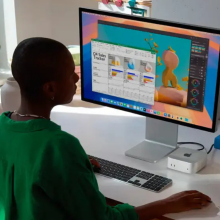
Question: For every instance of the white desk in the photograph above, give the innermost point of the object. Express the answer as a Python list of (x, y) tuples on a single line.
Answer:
[(108, 133)]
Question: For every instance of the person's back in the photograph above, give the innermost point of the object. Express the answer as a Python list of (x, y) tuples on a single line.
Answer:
[(44, 172), (32, 147), (52, 176), (7, 202)]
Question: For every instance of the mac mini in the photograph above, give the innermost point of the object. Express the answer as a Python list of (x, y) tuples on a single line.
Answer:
[(187, 160)]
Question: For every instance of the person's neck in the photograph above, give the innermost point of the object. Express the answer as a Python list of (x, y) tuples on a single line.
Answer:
[(35, 108)]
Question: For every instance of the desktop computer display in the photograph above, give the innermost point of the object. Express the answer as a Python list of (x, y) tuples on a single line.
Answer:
[(158, 69)]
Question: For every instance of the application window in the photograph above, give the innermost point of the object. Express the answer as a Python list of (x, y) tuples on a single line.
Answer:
[(123, 71)]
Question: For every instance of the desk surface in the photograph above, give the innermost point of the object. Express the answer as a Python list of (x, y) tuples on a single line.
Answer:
[(107, 134)]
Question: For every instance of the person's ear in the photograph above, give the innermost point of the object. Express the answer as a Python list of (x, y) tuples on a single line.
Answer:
[(50, 89)]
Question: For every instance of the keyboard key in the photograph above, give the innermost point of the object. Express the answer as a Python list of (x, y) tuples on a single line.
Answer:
[(135, 183), (158, 189), (144, 175)]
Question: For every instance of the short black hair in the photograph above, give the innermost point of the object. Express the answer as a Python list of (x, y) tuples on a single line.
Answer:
[(37, 61)]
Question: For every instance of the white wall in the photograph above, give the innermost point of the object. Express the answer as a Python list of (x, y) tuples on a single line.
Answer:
[(3, 52), (57, 19), (10, 27), (199, 12)]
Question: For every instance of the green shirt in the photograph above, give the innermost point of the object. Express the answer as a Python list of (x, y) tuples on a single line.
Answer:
[(46, 175)]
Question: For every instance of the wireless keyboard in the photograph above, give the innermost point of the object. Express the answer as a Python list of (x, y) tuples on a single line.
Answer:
[(132, 176)]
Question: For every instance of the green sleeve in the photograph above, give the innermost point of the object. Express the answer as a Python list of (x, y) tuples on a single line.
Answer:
[(67, 178)]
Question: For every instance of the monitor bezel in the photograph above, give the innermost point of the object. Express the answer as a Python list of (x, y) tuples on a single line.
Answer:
[(160, 22)]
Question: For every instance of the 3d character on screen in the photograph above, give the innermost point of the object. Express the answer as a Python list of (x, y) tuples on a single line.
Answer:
[(171, 61)]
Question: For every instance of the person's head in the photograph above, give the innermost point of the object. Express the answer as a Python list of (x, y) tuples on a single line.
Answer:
[(45, 71)]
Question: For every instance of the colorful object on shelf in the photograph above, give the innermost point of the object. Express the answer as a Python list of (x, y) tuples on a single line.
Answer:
[(135, 10), (105, 1), (132, 3), (118, 3)]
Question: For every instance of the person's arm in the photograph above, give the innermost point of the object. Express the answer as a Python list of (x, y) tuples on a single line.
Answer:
[(112, 202), (149, 209), (181, 202)]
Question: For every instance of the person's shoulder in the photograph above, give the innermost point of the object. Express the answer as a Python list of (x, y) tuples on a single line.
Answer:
[(64, 137), (63, 141), (60, 150)]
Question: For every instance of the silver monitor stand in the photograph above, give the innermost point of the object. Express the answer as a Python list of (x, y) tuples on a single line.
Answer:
[(160, 141)]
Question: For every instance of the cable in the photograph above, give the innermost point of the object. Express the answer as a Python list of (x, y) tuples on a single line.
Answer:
[(210, 149), (195, 143)]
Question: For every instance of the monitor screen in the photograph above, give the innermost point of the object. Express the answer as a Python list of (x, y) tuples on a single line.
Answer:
[(154, 68)]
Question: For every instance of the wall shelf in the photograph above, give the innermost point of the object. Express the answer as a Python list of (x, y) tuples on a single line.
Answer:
[(145, 3)]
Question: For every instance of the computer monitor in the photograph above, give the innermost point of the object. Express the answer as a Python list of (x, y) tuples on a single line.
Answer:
[(168, 72)]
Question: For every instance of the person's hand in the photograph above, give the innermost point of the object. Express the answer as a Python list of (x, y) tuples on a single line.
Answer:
[(186, 201), (181, 202)]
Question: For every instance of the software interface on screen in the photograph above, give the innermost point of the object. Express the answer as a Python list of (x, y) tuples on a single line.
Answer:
[(161, 70)]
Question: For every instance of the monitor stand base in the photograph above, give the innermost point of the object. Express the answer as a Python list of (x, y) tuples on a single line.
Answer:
[(160, 141)]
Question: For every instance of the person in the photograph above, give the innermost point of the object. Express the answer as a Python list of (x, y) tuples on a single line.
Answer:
[(46, 172)]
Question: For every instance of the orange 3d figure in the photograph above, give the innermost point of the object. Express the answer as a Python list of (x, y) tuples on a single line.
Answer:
[(171, 61)]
